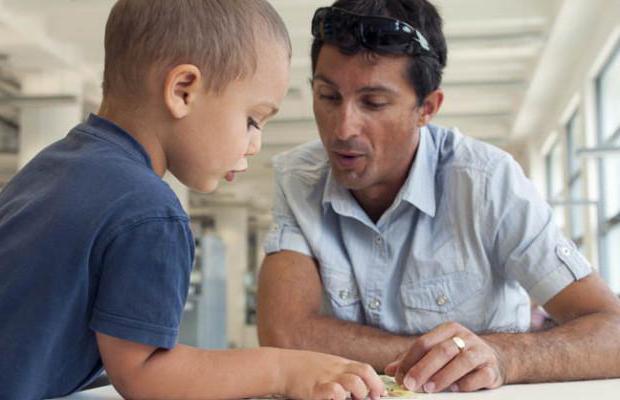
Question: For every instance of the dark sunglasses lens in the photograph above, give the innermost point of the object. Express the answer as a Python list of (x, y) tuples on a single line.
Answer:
[(336, 28), (380, 37)]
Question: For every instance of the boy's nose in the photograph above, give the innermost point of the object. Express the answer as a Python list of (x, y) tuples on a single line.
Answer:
[(255, 144)]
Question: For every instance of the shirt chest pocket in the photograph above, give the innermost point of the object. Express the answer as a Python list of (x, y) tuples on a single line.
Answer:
[(455, 297), (343, 294)]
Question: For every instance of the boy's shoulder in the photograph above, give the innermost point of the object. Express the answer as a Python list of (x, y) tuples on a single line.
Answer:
[(92, 176), (118, 169)]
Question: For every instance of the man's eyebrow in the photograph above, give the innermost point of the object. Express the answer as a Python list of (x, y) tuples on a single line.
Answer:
[(365, 89), (323, 78), (376, 89)]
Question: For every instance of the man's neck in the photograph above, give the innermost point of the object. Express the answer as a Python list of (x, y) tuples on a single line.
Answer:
[(377, 201)]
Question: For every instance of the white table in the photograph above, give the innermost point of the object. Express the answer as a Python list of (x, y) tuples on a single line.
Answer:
[(586, 390)]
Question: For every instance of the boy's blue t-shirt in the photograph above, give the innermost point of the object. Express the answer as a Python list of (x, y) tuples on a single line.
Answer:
[(91, 240)]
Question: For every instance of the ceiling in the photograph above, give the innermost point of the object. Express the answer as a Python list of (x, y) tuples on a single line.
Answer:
[(496, 50)]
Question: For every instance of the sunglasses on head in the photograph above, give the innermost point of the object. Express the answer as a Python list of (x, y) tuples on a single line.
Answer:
[(379, 34)]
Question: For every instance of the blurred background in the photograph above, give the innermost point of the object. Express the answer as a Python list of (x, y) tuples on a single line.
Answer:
[(538, 78)]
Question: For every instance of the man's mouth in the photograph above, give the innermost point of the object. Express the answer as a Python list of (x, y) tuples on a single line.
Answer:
[(348, 160)]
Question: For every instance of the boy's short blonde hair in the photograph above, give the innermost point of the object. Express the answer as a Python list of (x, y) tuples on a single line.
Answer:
[(218, 36)]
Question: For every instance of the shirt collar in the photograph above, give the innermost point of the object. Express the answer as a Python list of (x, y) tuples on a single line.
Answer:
[(107, 130), (418, 190), (338, 196)]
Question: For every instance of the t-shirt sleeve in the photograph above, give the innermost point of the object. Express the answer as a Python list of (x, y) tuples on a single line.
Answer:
[(144, 282), (285, 233), (526, 243)]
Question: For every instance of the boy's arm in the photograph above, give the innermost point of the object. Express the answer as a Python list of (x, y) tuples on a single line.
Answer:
[(138, 371), (289, 302)]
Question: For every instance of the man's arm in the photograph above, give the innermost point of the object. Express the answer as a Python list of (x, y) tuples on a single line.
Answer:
[(584, 346), (289, 303), (145, 372)]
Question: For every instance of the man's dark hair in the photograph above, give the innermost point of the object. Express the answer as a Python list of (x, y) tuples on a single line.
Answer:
[(424, 71)]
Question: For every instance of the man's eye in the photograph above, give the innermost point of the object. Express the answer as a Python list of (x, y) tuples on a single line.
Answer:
[(374, 105), (329, 97)]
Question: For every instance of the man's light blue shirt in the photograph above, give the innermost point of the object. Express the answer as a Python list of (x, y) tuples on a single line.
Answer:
[(467, 239)]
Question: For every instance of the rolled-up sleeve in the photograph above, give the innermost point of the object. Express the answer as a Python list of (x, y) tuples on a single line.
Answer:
[(285, 233), (527, 246)]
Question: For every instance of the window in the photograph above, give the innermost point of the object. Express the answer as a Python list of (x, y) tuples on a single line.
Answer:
[(555, 182), (575, 140), (609, 94), (608, 88)]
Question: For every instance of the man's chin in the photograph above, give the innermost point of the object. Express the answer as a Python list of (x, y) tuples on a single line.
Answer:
[(351, 180)]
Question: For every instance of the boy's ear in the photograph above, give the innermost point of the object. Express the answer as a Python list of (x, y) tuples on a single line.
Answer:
[(182, 85)]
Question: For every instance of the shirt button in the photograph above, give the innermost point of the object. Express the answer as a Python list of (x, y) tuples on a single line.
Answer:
[(374, 304), (379, 240), (442, 300), (565, 250), (344, 294)]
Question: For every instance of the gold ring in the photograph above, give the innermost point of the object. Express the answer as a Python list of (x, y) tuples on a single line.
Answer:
[(460, 343)]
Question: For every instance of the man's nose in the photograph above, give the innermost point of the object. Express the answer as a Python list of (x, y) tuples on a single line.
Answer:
[(255, 144), (348, 122)]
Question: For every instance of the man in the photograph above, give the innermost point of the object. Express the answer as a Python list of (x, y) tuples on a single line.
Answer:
[(427, 244)]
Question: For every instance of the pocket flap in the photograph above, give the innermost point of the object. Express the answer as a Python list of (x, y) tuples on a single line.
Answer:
[(340, 287), (441, 294)]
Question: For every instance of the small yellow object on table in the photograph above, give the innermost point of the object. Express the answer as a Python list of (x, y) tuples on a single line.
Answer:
[(393, 389)]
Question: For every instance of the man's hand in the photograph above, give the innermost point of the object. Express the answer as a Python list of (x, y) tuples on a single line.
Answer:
[(435, 362), (309, 375)]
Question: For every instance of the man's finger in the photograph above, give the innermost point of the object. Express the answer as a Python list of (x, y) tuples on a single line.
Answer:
[(424, 344), (463, 364), (391, 368), (482, 378), (437, 358)]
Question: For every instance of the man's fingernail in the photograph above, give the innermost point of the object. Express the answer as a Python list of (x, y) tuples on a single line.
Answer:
[(454, 388), (429, 387), (409, 383)]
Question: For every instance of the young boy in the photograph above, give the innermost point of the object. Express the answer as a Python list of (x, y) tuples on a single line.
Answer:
[(95, 249)]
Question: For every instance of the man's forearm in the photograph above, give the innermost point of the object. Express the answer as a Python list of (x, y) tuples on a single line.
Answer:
[(585, 348), (346, 339)]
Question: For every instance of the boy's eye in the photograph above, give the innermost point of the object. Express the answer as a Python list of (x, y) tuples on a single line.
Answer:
[(253, 124)]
